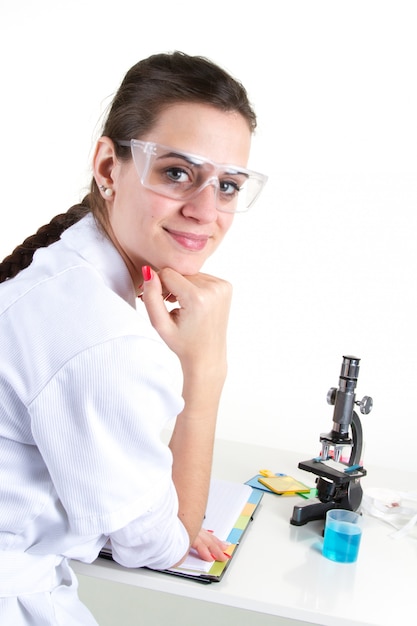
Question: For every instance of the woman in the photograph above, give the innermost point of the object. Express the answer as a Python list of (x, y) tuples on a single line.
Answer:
[(90, 374)]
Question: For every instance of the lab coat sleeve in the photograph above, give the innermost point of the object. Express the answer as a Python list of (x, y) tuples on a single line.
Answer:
[(97, 424), (134, 545)]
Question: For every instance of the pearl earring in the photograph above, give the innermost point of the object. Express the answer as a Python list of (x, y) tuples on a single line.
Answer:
[(106, 190)]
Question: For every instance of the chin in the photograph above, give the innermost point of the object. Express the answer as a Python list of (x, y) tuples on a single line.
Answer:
[(187, 266), (189, 270)]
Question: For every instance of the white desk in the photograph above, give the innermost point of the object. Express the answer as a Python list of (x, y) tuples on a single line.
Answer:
[(278, 571)]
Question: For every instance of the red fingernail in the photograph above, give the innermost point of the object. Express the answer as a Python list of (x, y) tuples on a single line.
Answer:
[(146, 273), (229, 556)]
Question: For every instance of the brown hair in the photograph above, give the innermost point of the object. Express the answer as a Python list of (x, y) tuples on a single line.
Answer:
[(146, 90)]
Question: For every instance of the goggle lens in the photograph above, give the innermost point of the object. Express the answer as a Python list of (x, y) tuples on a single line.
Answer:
[(181, 176)]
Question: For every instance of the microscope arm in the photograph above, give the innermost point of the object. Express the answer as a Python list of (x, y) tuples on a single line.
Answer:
[(357, 438)]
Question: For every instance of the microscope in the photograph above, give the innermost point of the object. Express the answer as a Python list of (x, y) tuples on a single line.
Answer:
[(338, 482)]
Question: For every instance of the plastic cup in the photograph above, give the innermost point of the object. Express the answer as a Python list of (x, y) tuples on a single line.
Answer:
[(342, 535)]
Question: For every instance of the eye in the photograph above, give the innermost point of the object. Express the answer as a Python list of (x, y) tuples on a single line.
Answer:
[(177, 174), (229, 187)]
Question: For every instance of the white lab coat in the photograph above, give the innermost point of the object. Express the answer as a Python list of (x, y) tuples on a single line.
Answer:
[(86, 386)]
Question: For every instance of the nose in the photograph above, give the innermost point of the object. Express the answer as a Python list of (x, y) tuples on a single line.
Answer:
[(202, 206)]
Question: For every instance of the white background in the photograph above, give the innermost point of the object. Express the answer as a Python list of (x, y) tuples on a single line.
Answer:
[(324, 265)]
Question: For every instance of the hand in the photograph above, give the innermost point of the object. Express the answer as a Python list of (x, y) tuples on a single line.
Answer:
[(209, 547), (196, 330)]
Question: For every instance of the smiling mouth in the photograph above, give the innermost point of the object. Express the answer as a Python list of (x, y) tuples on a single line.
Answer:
[(189, 241)]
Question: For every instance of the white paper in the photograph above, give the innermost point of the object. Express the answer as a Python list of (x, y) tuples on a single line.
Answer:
[(226, 502)]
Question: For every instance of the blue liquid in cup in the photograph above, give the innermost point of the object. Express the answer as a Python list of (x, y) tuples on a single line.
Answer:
[(341, 541)]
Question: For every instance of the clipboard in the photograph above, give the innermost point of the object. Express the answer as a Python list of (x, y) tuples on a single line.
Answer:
[(227, 501)]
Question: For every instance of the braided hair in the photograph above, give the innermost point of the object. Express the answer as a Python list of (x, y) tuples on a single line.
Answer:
[(22, 256), (147, 89)]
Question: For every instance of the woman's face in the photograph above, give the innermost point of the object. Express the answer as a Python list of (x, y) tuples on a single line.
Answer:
[(150, 229)]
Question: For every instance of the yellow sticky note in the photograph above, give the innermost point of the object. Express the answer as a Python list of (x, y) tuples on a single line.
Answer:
[(284, 485)]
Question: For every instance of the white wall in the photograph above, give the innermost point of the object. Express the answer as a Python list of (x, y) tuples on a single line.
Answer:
[(325, 263)]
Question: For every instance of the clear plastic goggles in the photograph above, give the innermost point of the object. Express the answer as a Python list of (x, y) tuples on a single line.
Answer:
[(182, 176)]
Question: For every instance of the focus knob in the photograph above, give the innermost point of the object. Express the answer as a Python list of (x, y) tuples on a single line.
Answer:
[(331, 395), (365, 405)]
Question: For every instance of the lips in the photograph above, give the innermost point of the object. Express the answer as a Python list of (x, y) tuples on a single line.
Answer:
[(189, 241)]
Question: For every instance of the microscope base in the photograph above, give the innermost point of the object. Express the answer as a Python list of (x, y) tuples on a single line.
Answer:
[(349, 496), (310, 511)]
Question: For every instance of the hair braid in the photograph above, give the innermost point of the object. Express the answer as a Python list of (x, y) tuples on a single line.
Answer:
[(22, 255)]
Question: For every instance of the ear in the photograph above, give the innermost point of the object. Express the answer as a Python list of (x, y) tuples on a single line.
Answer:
[(104, 163)]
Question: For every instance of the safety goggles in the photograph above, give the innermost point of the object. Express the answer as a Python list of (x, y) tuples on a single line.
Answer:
[(182, 176)]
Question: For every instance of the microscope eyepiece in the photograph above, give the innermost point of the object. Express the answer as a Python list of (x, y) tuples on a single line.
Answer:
[(344, 397), (350, 368)]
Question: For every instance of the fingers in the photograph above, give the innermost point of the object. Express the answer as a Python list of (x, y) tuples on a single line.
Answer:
[(158, 289), (200, 319), (152, 296), (209, 547)]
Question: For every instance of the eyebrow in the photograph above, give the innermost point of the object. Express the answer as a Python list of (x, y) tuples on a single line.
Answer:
[(184, 157), (190, 159)]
